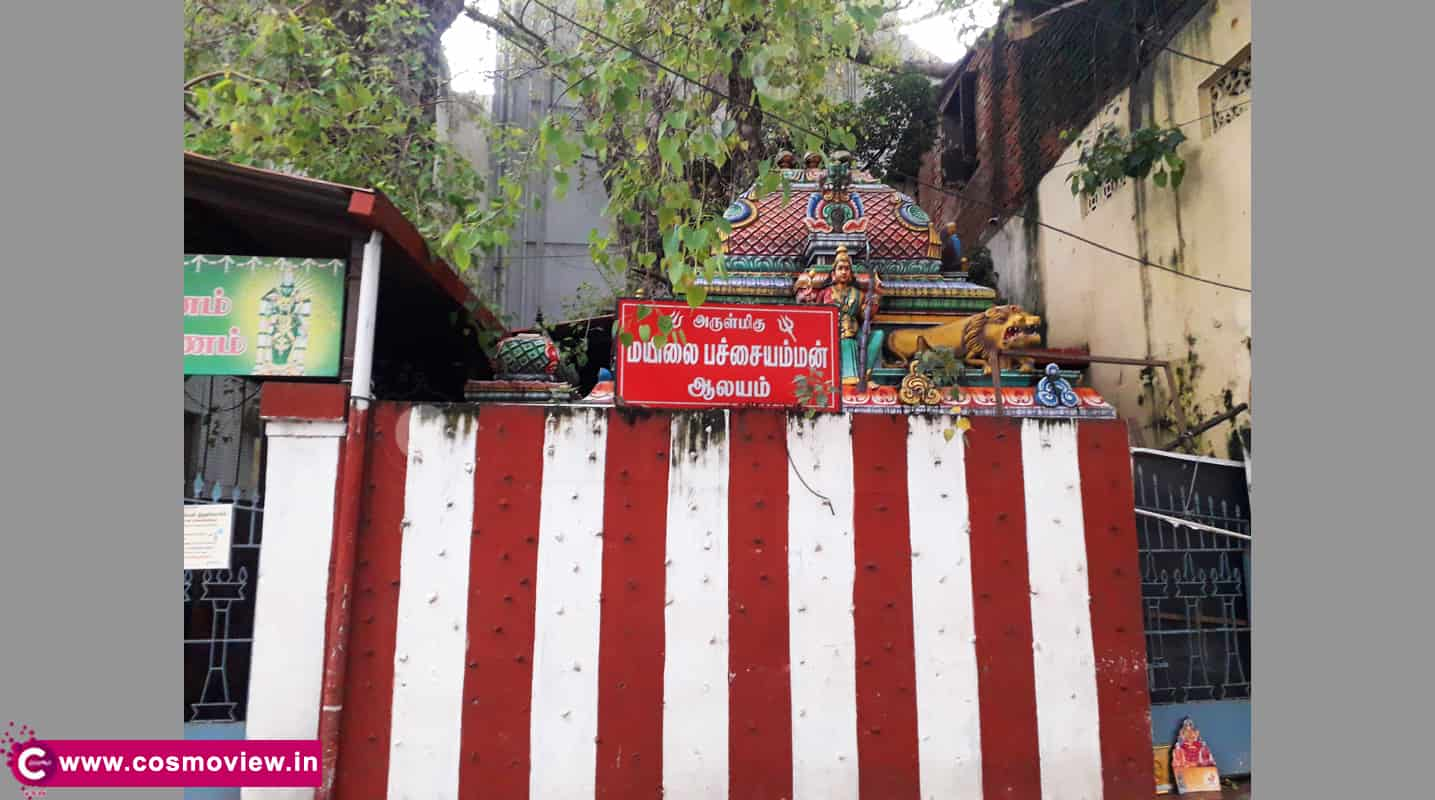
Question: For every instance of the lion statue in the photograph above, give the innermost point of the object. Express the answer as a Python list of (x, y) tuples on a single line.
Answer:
[(1011, 325)]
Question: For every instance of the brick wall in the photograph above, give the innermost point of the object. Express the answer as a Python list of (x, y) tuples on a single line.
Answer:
[(1029, 89)]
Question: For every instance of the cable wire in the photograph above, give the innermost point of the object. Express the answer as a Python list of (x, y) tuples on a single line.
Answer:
[(1127, 29), (828, 140)]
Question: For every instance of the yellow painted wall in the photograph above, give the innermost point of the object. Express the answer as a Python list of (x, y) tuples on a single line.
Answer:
[(1119, 308)]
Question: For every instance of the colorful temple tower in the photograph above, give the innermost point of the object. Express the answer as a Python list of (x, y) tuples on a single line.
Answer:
[(842, 237)]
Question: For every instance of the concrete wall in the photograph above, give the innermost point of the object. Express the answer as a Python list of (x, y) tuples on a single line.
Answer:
[(579, 602), (1117, 307)]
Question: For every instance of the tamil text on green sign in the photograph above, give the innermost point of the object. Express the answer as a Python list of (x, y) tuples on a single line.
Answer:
[(262, 316)]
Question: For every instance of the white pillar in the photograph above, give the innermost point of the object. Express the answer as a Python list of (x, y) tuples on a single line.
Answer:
[(286, 673)]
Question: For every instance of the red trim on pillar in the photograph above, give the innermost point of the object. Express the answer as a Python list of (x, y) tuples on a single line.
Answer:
[(630, 651), (376, 210), (503, 562), (1006, 682), (760, 692), (1117, 631), (882, 598), (311, 401), (368, 691)]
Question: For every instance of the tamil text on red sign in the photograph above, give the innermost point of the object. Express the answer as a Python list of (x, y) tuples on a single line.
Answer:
[(721, 355)]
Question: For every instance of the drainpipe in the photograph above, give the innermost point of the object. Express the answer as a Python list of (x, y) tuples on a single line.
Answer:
[(346, 527)]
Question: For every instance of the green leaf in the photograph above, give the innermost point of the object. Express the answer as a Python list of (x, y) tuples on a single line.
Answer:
[(665, 323), (696, 239), (697, 295), (1159, 178), (644, 311), (470, 240), (668, 148), (626, 338), (569, 151), (622, 98), (645, 332), (671, 242)]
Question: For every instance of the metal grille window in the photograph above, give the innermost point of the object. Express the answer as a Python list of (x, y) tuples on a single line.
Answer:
[(219, 614), (1194, 584)]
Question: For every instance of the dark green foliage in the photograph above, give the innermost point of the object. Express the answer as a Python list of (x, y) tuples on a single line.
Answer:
[(1114, 155)]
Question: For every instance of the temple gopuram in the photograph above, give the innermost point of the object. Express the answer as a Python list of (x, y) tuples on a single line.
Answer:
[(913, 333), (839, 235)]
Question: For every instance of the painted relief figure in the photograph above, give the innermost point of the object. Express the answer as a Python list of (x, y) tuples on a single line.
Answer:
[(283, 328), (1192, 762)]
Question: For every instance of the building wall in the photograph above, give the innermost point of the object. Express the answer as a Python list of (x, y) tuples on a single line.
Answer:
[(1116, 307), (579, 602), (1031, 83)]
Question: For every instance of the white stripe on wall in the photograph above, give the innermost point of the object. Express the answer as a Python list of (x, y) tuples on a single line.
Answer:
[(568, 582), (1067, 720), (821, 567), (949, 743), (292, 586), (433, 606), (695, 619)]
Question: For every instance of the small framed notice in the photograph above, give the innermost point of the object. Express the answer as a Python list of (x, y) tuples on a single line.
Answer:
[(207, 533)]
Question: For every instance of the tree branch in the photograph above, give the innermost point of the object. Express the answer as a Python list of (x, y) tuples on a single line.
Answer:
[(932, 69), (189, 84), (513, 30)]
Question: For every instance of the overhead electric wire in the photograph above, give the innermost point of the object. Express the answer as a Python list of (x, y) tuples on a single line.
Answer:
[(1130, 31), (828, 140), (1232, 107)]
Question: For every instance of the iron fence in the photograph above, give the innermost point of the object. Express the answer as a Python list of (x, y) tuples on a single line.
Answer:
[(1195, 591), (219, 613)]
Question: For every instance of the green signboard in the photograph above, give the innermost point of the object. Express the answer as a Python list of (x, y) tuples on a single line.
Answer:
[(263, 316)]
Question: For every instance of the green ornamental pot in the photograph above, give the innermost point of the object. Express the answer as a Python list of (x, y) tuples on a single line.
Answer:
[(530, 355)]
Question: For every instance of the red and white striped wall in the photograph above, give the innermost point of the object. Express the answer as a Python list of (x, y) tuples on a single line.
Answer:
[(588, 603)]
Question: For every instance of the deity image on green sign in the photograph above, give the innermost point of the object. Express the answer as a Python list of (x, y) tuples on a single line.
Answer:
[(263, 316), (283, 333)]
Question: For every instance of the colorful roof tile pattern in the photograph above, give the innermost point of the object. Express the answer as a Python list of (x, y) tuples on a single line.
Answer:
[(896, 228)]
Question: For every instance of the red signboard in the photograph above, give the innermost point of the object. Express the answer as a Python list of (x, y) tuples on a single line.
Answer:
[(723, 355)]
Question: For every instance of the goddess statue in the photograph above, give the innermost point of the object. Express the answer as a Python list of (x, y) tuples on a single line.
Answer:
[(850, 294)]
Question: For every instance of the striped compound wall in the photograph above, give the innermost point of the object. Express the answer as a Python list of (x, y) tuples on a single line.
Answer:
[(583, 603)]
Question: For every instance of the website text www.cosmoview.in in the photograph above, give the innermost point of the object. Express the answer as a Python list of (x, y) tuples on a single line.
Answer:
[(155, 764)]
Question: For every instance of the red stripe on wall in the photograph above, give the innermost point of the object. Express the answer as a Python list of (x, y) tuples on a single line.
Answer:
[(630, 650), (882, 596), (760, 694), (1006, 680), (363, 767), (503, 559), (1116, 626)]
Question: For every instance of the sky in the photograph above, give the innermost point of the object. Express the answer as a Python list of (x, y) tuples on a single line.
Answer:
[(471, 47)]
